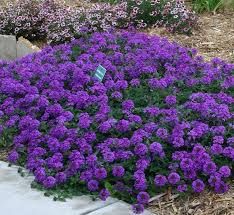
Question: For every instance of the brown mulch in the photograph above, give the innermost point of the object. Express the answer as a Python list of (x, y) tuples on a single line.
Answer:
[(213, 38), (78, 3), (3, 154), (207, 203)]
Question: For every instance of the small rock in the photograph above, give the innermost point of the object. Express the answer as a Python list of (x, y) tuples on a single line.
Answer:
[(190, 211)]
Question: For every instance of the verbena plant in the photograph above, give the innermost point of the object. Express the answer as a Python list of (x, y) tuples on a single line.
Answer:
[(162, 117)]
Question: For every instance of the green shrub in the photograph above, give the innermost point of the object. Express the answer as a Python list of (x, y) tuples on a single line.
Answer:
[(172, 14)]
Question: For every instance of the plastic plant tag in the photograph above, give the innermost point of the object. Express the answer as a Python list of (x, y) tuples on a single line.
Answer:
[(100, 73)]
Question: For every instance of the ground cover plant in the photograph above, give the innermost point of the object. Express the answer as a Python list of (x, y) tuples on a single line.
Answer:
[(56, 22), (162, 117)]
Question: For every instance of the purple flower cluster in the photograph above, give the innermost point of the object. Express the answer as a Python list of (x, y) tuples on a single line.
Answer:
[(166, 127)]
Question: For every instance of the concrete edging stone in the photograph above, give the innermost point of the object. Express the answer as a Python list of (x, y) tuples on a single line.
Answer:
[(18, 198)]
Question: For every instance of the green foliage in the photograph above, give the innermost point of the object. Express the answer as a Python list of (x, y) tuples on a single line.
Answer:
[(209, 5), (65, 191), (6, 138)]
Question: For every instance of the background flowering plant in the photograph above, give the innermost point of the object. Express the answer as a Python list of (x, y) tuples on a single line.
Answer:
[(162, 117), (172, 14), (66, 23), (22, 18), (56, 22)]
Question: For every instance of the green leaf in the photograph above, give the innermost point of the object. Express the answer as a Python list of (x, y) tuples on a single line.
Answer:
[(109, 187)]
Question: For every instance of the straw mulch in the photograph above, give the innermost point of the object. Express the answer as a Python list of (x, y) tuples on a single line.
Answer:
[(206, 203), (3, 154)]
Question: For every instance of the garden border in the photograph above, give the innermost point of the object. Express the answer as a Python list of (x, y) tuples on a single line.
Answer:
[(12, 184)]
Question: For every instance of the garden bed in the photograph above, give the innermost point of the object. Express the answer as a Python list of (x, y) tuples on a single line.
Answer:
[(110, 135), (104, 140), (213, 38)]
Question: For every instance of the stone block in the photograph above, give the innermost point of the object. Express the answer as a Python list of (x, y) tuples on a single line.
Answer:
[(24, 47), (7, 47)]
